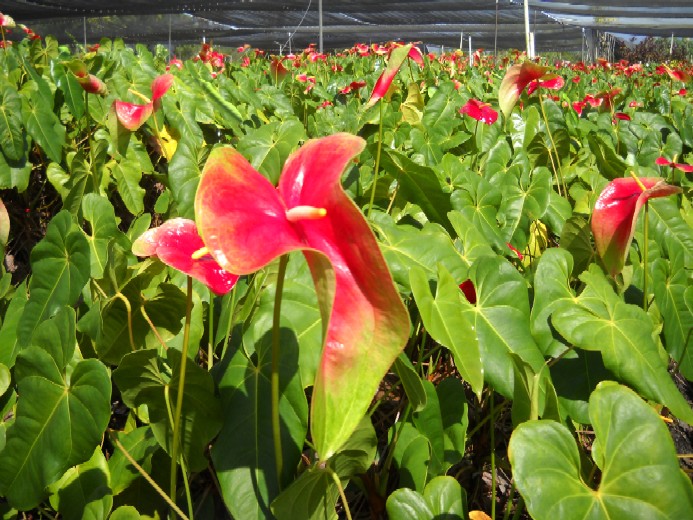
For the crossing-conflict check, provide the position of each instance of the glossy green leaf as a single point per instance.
(666, 223)
(599, 320)
(12, 139)
(9, 342)
(60, 264)
(60, 420)
(453, 411)
(184, 175)
(141, 445)
(443, 497)
(243, 454)
(100, 214)
(71, 89)
(83, 492)
(412, 383)
(5, 379)
(418, 185)
(472, 241)
(128, 174)
(479, 202)
(502, 321)
(448, 320)
(125, 513)
(44, 126)
(640, 479)
(429, 422)
(268, 146)
(143, 378)
(669, 282)
(609, 163)
(14, 174)
(576, 238)
(411, 455)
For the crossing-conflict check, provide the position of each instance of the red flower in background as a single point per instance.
(397, 57)
(663, 161)
(480, 111)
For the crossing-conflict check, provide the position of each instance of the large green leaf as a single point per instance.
(9, 342)
(83, 492)
(100, 214)
(443, 497)
(44, 126)
(243, 454)
(609, 163)
(429, 422)
(599, 320)
(128, 174)
(268, 146)
(71, 89)
(640, 479)
(525, 201)
(419, 185)
(61, 416)
(140, 444)
(669, 281)
(60, 265)
(453, 411)
(145, 378)
(479, 202)
(501, 319)
(412, 383)
(14, 174)
(12, 140)
(666, 223)
(447, 320)
(184, 175)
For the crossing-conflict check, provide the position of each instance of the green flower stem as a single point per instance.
(181, 390)
(188, 496)
(377, 160)
(210, 346)
(556, 168)
(229, 325)
(644, 259)
(128, 308)
(149, 479)
(335, 477)
(493, 459)
(276, 318)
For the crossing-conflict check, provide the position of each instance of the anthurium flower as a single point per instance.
(88, 82)
(615, 214)
(246, 223)
(479, 111)
(467, 288)
(663, 161)
(131, 115)
(677, 74)
(177, 243)
(278, 70)
(6, 21)
(397, 58)
(514, 82)
(622, 116)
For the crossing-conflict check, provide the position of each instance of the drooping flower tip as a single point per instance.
(480, 111)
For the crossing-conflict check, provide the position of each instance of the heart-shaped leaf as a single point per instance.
(641, 477)
(443, 497)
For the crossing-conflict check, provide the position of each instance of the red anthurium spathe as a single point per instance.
(663, 161)
(514, 82)
(246, 222)
(397, 58)
(550, 81)
(176, 243)
(479, 111)
(131, 115)
(615, 214)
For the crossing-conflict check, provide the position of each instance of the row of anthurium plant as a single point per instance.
(366, 284)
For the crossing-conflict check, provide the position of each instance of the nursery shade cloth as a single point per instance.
(270, 24)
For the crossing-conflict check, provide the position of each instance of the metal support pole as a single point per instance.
(671, 47)
(170, 55)
(320, 23)
(84, 19)
(495, 34)
(527, 27)
(461, 39)
(471, 56)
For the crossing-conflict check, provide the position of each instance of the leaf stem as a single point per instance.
(337, 481)
(645, 254)
(128, 308)
(149, 479)
(229, 325)
(181, 391)
(556, 169)
(377, 160)
(493, 459)
(210, 346)
(151, 326)
(276, 321)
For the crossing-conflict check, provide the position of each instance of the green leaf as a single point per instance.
(12, 140)
(447, 320)
(44, 126)
(125, 513)
(60, 420)
(60, 265)
(14, 174)
(473, 243)
(669, 281)
(502, 321)
(143, 378)
(419, 185)
(478, 201)
(609, 163)
(667, 224)
(600, 320)
(412, 383)
(71, 89)
(141, 444)
(641, 477)
(83, 492)
(268, 146)
(442, 498)
(243, 454)
(411, 455)
(576, 238)
(429, 422)
(184, 175)
(100, 214)
(128, 174)
(9, 342)
(5, 379)
(525, 201)
(453, 410)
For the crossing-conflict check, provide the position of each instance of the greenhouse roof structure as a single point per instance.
(279, 25)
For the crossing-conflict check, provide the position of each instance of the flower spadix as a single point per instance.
(177, 243)
(615, 215)
(246, 222)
